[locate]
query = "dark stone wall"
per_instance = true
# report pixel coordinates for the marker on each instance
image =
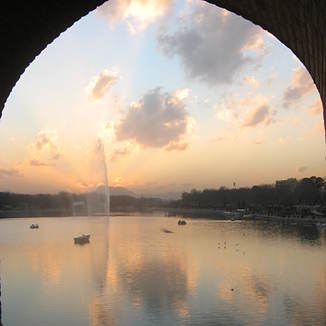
(27, 27)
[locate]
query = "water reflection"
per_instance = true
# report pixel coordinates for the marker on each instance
(99, 253)
(131, 273)
(156, 283)
(309, 233)
(288, 230)
(99, 315)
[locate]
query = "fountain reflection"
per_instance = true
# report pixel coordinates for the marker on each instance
(158, 285)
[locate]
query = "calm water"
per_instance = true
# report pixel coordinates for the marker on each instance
(132, 273)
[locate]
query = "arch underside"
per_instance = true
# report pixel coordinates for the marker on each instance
(28, 27)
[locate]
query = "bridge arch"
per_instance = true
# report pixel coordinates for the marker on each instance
(28, 27)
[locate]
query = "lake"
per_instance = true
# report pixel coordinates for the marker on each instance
(207, 272)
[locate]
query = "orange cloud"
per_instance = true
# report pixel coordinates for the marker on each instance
(100, 84)
(261, 115)
(46, 142)
(251, 80)
(137, 14)
(176, 146)
(38, 163)
(316, 108)
(319, 127)
(157, 120)
(302, 85)
(124, 150)
(10, 173)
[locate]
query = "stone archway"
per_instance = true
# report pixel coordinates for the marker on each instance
(28, 27)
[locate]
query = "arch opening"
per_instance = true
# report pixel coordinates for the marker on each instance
(171, 131)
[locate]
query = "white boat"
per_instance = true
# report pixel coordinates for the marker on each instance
(82, 239)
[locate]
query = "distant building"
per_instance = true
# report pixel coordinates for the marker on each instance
(289, 184)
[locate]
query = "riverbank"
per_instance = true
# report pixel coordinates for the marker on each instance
(225, 215)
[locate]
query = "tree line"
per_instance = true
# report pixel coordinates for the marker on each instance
(285, 193)
(279, 198)
(68, 203)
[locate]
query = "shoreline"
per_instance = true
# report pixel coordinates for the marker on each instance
(223, 215)
(191, 213)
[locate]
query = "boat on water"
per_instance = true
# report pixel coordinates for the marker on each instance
(34, 226)
(166, 231)
(82, 239)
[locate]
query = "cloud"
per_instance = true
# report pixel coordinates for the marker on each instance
(46, 142)
(255, 43)
(226, 110)
(259, 115)
(211, 44)
(249, 111)
(100, 84)
(156, 120)
(301, 169)
(118, 181)
(182, 93)
(251, 80)
(302, 85)
(119, 152)
(10, 173)
(217, 139)
(45, 139)
(270, 79)
(83, 184)
(226, 114)
(319, 127)
(241, 112)
(137, 14)
(123, 151)
(316, 108)
(176, 146)
(37, 163)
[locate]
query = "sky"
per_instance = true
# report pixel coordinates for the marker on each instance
(182, 94)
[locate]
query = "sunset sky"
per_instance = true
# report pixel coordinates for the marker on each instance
(183, 95)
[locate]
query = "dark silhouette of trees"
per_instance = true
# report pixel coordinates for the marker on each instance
(62, 204)
(278, 199)
(284, 194)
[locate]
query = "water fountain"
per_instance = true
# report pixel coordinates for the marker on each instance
(101, 154)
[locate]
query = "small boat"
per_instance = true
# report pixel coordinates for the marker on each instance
(182, 222)
(84, 238)
(34, 226)
(166, 231)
